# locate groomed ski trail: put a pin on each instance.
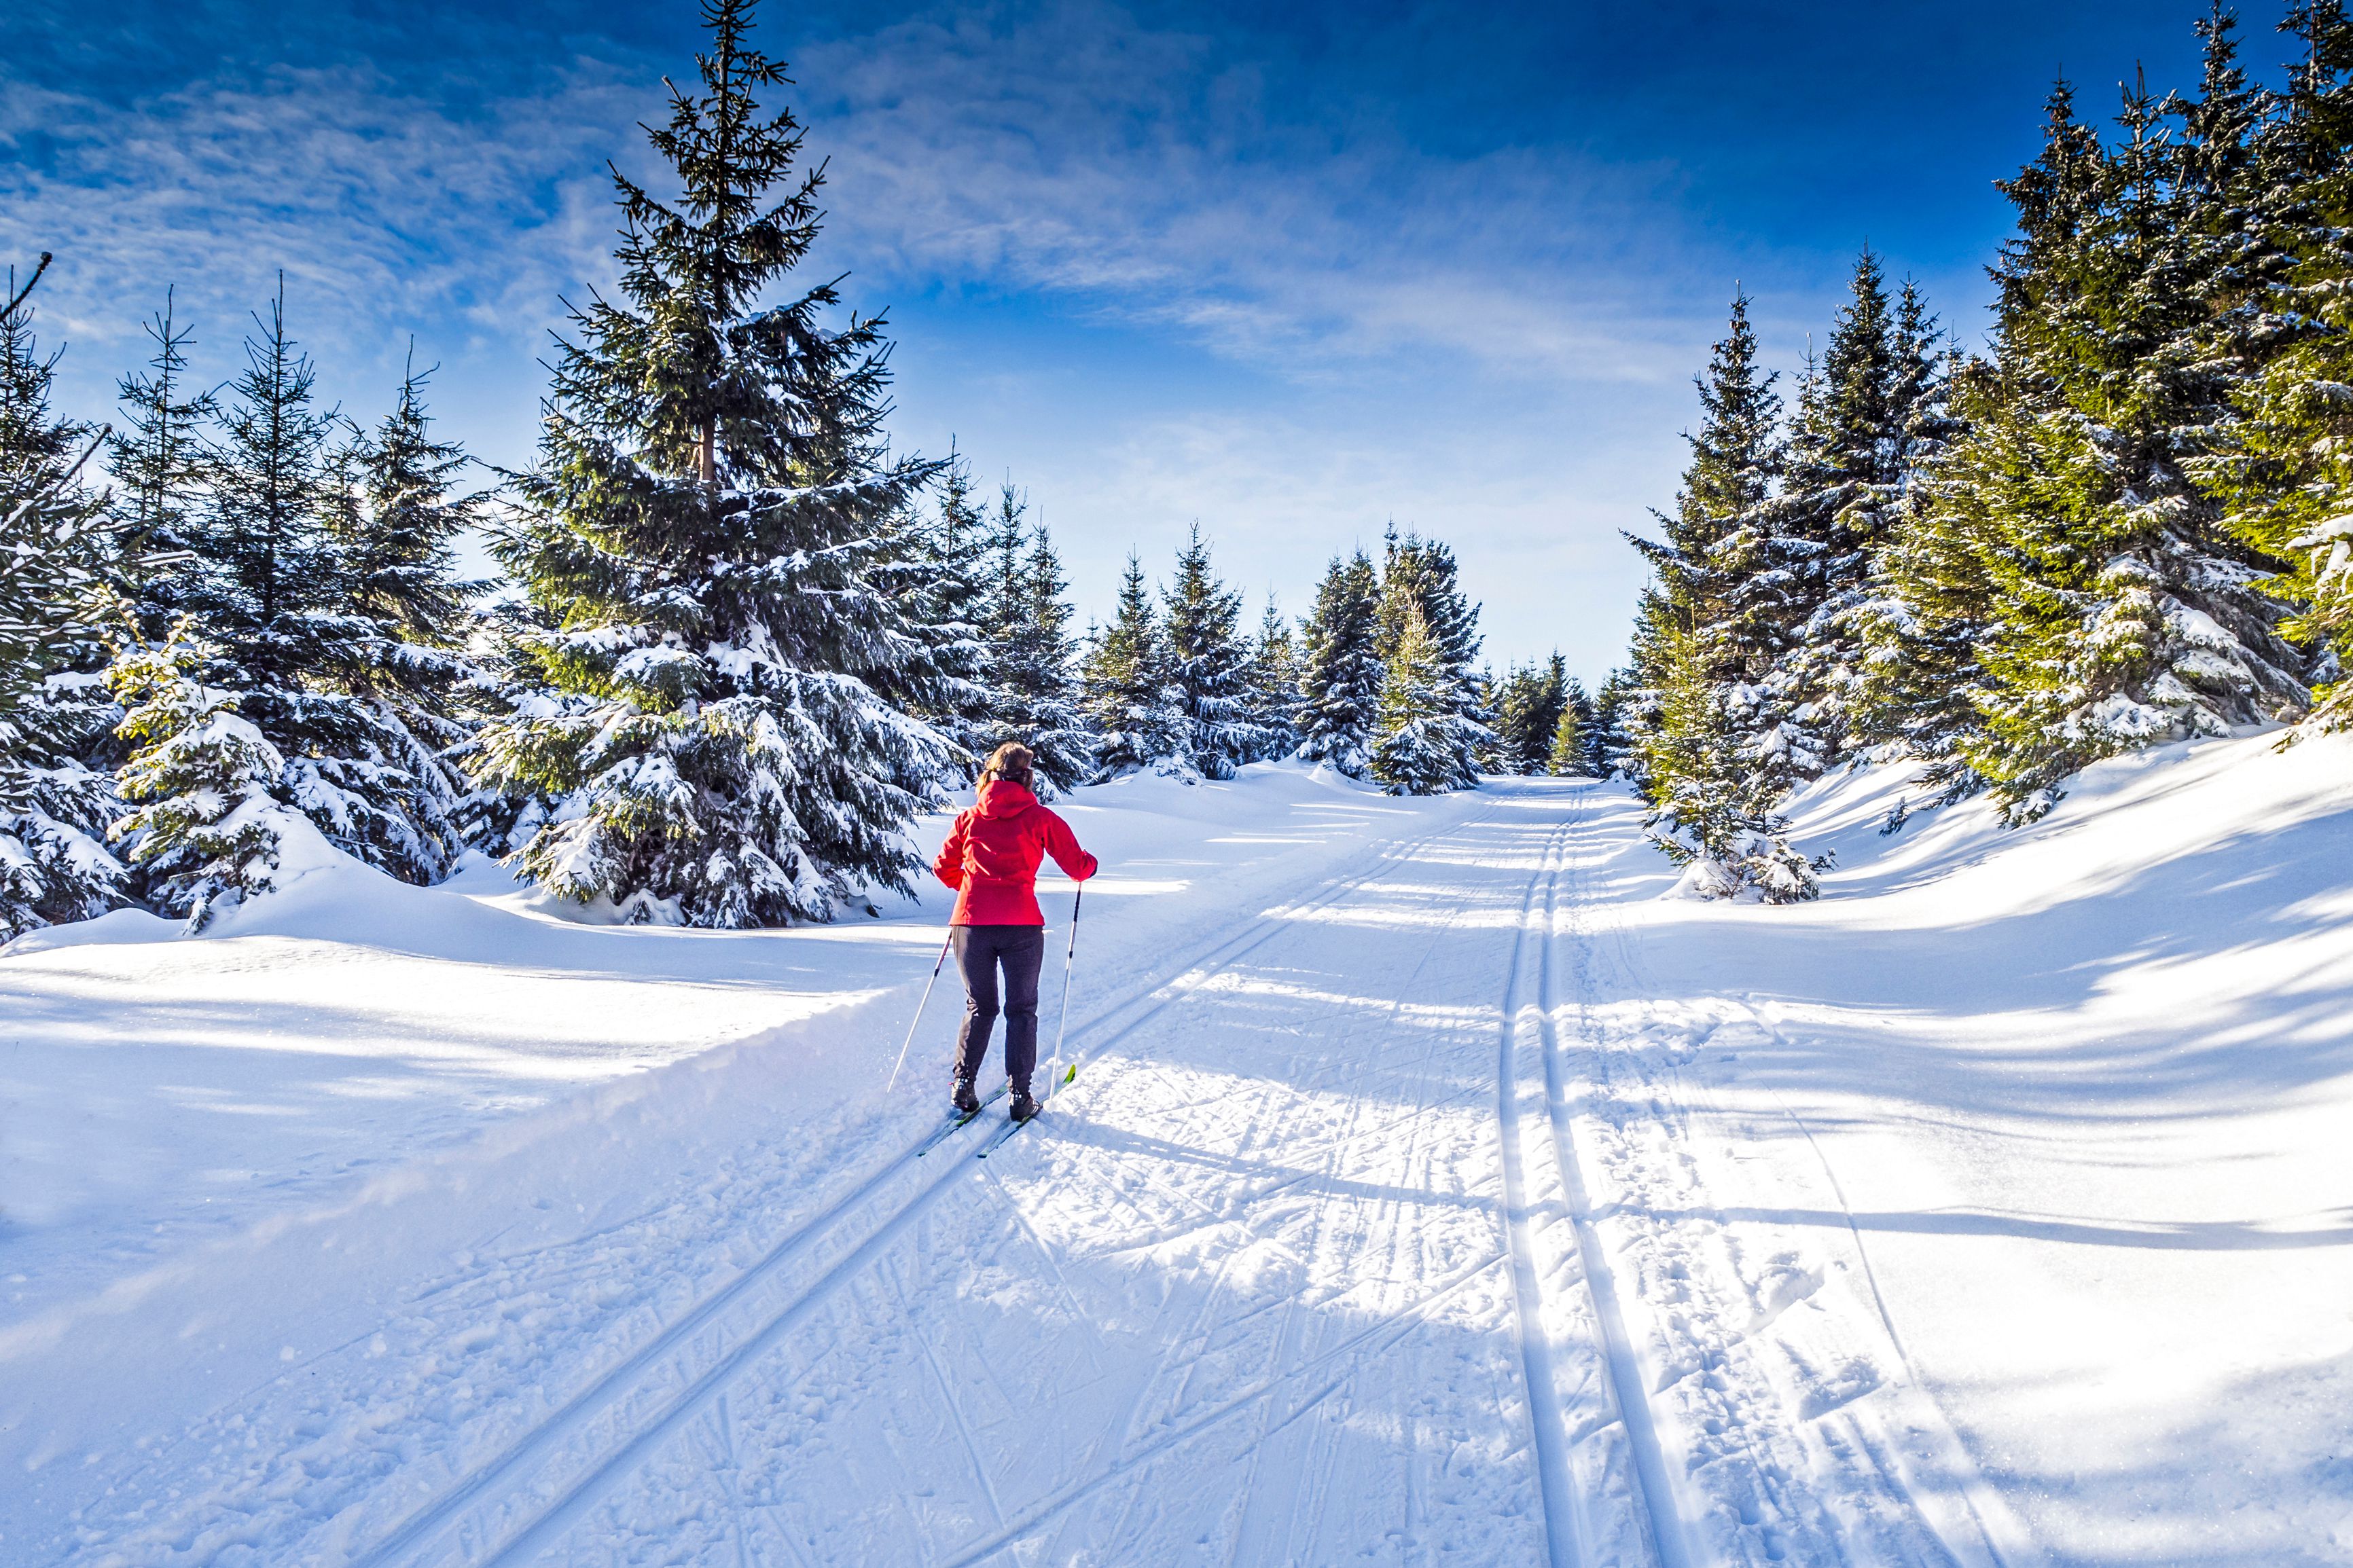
(413, 1541)
(1768, 1392)
(1368, 1232)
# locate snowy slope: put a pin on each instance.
(1434, 1191)
(2064, 1109)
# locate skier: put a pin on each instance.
(991, 859)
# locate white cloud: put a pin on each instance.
(385, 210)
(1490, 346)
(1066, 148)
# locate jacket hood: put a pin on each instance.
(1001, 798)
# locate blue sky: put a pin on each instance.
(1291, 272)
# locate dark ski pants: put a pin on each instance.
(980, 951)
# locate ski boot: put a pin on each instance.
(967, 1103)
(1022, 1108)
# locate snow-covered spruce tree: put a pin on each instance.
(1561, 694)
(1340, 668)
(69, 561)
(1708, 685)
(1722, 572)
(1571, 754)
(1424, 744)
(1511, 697)
(157, 451)
(1065, 744)
(1209, 667)
(712, 525)
(59, 553)
(1915, 633)
(951, 587)
(271, 586)
(1418, 573)
(1610, 747)
(1419, 576)
(1707, 809)
(399, 550)
(1273, 681)
(2117, 614)
(1842, 486)
(1529, 704)
(505, 685)
(208, 828)
(2283, 467)
(37, 446)
(1130, 703)
(1034, 695)
(409, 612)
(1936, 607)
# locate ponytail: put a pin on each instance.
(1011, 762)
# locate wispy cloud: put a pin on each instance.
(1068, 147)
(1491, 343)
(385, 209)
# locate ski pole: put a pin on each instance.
(1070, 958)
(918, 1018)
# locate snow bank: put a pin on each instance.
(343, 1040)
(1993, 1209)
(158, 1089)
(2071, 1102)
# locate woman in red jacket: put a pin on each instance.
(991, 859)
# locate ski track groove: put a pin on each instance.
(1627, 1384)
(549, 1525)
(1547, 1434)
(1961, 1490)
(1336, 1147)
(1336, 1150)
(1402, 1322)
(948, 1396)
(1155, 996)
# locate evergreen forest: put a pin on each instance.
(739, 643)
(2123, 520)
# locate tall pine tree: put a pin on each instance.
(60, 554)
(1424, 744)
(1209, 667)
(1530, 703)
(1420, 582)
(1273, 680)
(1340, 668)
(276, 538)
(1130, 702)
(952, 588)
(2110, 610)
(1033, 693)
(1710, 810)
(2282, 466)
(711, 527)
(1843, 487)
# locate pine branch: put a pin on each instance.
(39, 267)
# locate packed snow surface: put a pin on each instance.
(1432, 1189)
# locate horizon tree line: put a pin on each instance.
(2125, 523)
(748, 642)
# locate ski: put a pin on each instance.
(957, 1121)
(1005, 1131)
(998, 1138)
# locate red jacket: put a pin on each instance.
(992, 854)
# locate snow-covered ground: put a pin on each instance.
(1432, 1191)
